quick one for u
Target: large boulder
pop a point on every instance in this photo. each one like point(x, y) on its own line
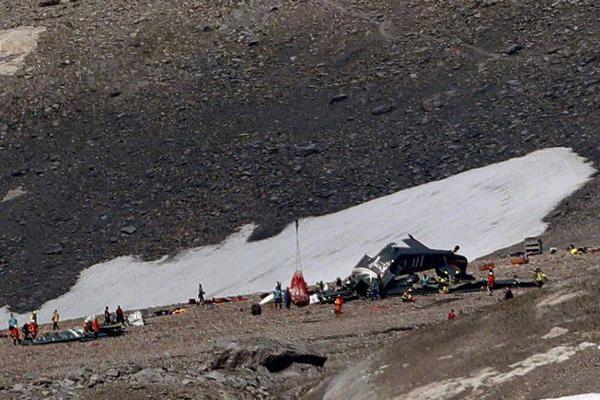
point(259, 351)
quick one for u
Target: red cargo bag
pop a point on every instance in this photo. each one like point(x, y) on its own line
point(299, 290)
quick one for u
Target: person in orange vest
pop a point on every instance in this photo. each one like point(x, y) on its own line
point(96, 326)
point(33, 329)
point(14, 335)
point(451, 315)
point(491, 282)
point(338, 305)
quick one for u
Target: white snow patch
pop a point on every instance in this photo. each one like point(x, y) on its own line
point(555, 332)
point(560, 297)
point(483, 210)
point(15, 45)
point(13, 194)
point(478, 382)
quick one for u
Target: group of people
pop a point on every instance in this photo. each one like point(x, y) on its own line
point(30, 330)
point(282, 296)
point(119, 316)
point(538, 277)
point(92, 324)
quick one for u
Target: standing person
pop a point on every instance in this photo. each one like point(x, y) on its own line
point(200, 294)
point(321, 286)
point(374, 289)
point(491, 282)
point(87, 325)
point(12, 322)
point(55, 320)
point(13, 328)
point(33, 329)
point(120, 316)
point(25, 330)
point(339, 302)
point(539, 277)
point(288, 298)
point(96, 326)
point(34, 317)
point(338, 283)
point(277, 295)
point(106, 316)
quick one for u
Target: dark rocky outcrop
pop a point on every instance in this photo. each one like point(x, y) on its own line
point(259, 351)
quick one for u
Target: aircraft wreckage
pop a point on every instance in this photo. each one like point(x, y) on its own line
point(75, 335)
point(395, 268)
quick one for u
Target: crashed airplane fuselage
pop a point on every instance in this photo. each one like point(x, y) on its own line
point(395, 260)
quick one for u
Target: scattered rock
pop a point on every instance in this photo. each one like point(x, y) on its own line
point(308, 150)
point(129, 229)
point(514, 49)
point(150, 376)
point(13, 194)
point(383, 109)
point(54, 250)
point(555, 332)
point(95, 380)
point(433, 103)
point(67, 383)
point(42, 381)
point(18, 387)
point(258, 351)
point(338, 98)
point(112, 373)
point(49, 3)
point(15, 45)
point(78, 374)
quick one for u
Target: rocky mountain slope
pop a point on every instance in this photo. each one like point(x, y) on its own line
point(144, 127)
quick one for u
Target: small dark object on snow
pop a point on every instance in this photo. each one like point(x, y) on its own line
point(256, 309)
